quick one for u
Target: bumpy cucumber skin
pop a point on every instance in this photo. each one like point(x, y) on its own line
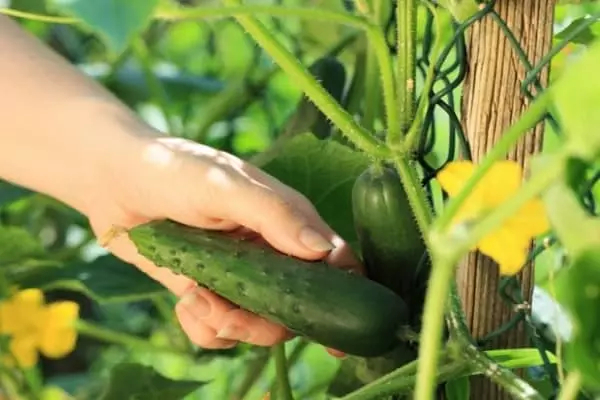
point(391, 244)
point(327, 305)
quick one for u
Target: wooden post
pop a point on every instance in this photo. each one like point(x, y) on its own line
point(492, 102)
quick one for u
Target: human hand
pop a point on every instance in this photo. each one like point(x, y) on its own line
point(199, 186)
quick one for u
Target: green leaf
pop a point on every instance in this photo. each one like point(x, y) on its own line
point(10, 193)
point(585, 36)
point(519, 358)
point(458, 389)
point(106, 279)
point(573, 226)
point(577, 113)
point(31, 6)
point(324, 171)
point(130, 381)
point(578, 290)
point(116, 22)
point(461, 10)
point(18, 245)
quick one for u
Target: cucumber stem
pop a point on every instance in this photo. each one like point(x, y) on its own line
point(281, 367)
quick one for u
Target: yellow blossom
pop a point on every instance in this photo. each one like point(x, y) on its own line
point(508, 244)
point(34, 326)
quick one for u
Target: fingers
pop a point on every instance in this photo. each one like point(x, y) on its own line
point(278, 220)
point(342, 255)
point(212, 322)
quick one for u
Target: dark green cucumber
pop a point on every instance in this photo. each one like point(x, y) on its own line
point(392, 250)
point(330, 306)
point(392, 246)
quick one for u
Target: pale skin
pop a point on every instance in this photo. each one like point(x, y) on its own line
point(64, 135)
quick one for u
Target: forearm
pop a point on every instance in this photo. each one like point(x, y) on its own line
point(56, 125)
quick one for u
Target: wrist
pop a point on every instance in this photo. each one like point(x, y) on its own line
point(79, 153)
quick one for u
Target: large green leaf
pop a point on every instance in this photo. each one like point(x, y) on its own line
point(581, 28)
point(116, 22)
point(574, 227)
point(106, 279)
point(32, 6)
point(130, 381)
point(18, 245)
point(578, 289)
point(324, 171)
point(578, 112)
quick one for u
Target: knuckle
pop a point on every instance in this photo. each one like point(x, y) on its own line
point(280, 206)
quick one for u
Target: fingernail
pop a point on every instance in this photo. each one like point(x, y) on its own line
point(196, 305)
point(233, 332)
point(314, 240)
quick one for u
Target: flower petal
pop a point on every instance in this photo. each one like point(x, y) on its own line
point(531, 220)
point(500, 182)
point(452, 179)
point(22, 312)
point(8, 324)
point(61, 314)
point(453, 176)
point(58, 336)
point(57, 343)
point(33, 298)
point(507, 249)
point(23, 348)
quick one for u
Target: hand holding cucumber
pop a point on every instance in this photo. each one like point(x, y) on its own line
point(201, 187)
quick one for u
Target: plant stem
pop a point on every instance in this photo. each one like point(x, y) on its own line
point(254, 370)
point(317, 14)
point(455, 316)
point(433, 323)
point(294, 356)
point(414, 131)
point(416, 195)
point(312, 89)
point(406, 11)
point(38, 17)
point(372, 82)
point(503, 377)
point(379, 45)
point(570, 388)
point(283, 383)
point(402, 380)
point(527, 121)
point(119, 338)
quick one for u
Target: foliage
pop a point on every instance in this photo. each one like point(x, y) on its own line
point(237, 77)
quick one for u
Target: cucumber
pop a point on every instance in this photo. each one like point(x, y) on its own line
point(393, 252)
point(392, 246)
point(330, 306)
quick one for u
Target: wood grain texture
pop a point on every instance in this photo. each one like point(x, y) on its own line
point(492, 101)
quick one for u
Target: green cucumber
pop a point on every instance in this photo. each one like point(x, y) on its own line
point(392, 246)
point(393, 252)
point(330, 306)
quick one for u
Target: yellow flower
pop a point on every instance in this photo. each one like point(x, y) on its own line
point(508, 245)
point(34, 326)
